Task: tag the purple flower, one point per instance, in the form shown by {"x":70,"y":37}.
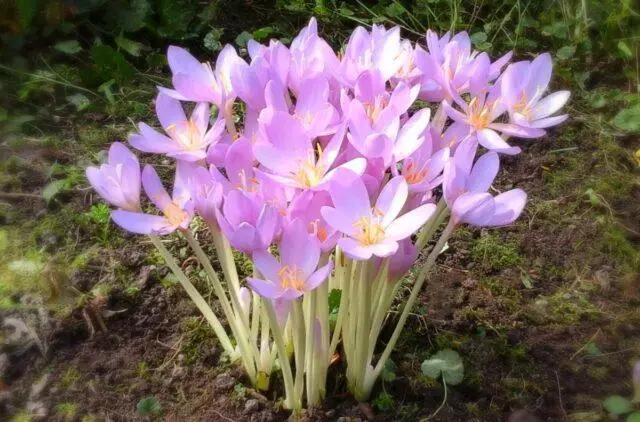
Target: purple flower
{"x":402,"y":260}
{"x":465,"y":186}
{"x":378,"y":50}
{"x":177,"y":210}
{"x":422,"y":170}
{"x":118,"y":181}
{"x":372,"y":230}
{"x":206,"y":189}
{"x":188,"y":138}
{"x":478,"y":117}
{"x":298,"y":164}
{"x":247,"y":221}
{"x":306,"y":207}
{"x":296,"y":273}
{"x":195,"y":81}
{"x":523,"y":85}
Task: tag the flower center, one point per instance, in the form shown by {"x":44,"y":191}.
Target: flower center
{"x":291,"y":278}
{"x":187,"y":135}
{"x":175,"y":214}
{"x":479,"y":115}
{"x":413,"y":175}
{"x":374,"y":110}
{"x":247,"y":184}
{"x":370,"y":231}
{"x":318,"y":231}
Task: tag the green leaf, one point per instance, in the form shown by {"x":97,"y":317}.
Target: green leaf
{"x":80,"y":101}
{"x":566,"y":52}
{"x":105,"y":88}
{"x":52,"y":189}
{"x":625,"y":50}
{"x":68,"y":47}
{"x":132,"y":47}
{"x":27,"y":10}
{"x":345,"y":11}
{"x":592,"y":349}
{"x":478,"y":38}
{"x":149,"y":405}
{"x":262,"y":33}
{"x":395,"y":10}
{"x":243,"y":39}
{"x":334,"y":300}
{"x":111,"y":63}
{"x":634,"y":417}
{"x":389,"y":371}
{"x":446,"y":363}
{"x":383,"y":402}
{"x":628,"y":119}
{"x":617,"y":405}
{"x":212,"y":39}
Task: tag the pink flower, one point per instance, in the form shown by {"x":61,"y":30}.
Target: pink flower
{"x":372,"y":230}
{"x":188,"y":138}
{"x":296,"y":273}
{"x":118,"y":181}
{"x":177,"y":210}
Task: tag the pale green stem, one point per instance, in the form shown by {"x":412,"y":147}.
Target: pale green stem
{"x":321,"y":362}
{"x":285,"y":365}
{"x":228,"y":264}
{"x":240,"y":332}
{"x":309,"y":317}
{"x":298,"y":338}
{"x":197,"y":298}
{"x":341,"y":269}
{"x":431,"y":259}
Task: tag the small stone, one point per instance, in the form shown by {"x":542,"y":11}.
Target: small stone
{"x":251,"y":406}
{"x":144,"y":276}
{"x":264,"y":416}
{"x":330,"y":413}
{"x":523,"y":416}
{"x":224,"y":382}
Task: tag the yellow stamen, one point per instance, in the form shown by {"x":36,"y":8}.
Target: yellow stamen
{"x":370,"y":230}
{"x":291,"y":278}
{"x":187,"y":135}
{"x":175,"y":214}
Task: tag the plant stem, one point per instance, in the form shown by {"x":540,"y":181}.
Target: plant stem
{"x":310,"y":318}
{"x":285,"y":365}
{"x":197,"y":298}
{"x":298,"y":338}
{"x":434,"y":223}
{"x":431,"y":259}
{"x":240,"y":331}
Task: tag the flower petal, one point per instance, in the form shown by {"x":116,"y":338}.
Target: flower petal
{"x":410,"y":222}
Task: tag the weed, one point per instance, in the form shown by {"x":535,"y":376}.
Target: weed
{"x":70,"y":377}
{"x":495,"y":254}
{"x":67,"y":410}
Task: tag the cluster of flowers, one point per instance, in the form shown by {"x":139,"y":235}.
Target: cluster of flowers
{"x":337,"y":161}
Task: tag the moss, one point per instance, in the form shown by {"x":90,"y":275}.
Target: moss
{"x":616,"y":244}
{"x":22,"y":416}
{"x":69,"y":378}
{"x":570,"y":307}
{"x":598,"y":373}
{"x":67,"y":410}
{"x":495,"y":254}
{"x":198,"y":338}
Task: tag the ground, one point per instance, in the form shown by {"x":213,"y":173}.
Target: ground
{"x":544,"y":313}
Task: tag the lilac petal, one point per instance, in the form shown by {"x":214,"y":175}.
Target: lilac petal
{"x":172,"y":93}
{"x":264,"y":288}
{"x":369,"y":85}
{"x":357,"y":166}
{"x":354,"y":249}
{"x":392,"y":199}
{"x":479,"y":77}
{"x":200,"y":116}
{"x":516,"y":130}
{"x":238,"y":207}
{"x":196,"y":89}
{"x":267,"y":224}
{"x":473,"y":208}
{"x":181,"y":61}
{"x":281,"y":128}
{"x":453,"y":113}
{"x":490,"y":139}
{"x":539,"y":75}
{"x":151,"y":141}
{"x":339,"y":221}
{"x":154,"y":189}
{"x":465,"y":153}
{"x":267,"y":265}
{"x":385,"y":248}
{"x":410,"y":222}
{"x":550,"y":104}
{"x":350,"y":195}
{"x":483,"y":173}
{"x":331,"y":151}
{"x":549,"y":121}
{"x":281,"y":307}
{"x":410,"y":136}
{"x":318,"y":277}
{"x":244,"y":238}
{"x":280,"y":161}
{"x":513,"y":80}
{"x":137,"y":222}
{"x":274,"y":96}
{"x":298,"y":248}
{"x":496,"y":67}
{"x":120,"y":154}
{"x":192,"y":156}
{"x":169,"y":111}
{"x":508,"y":206}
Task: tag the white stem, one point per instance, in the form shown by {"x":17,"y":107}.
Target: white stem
{"x":285,"y":365}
